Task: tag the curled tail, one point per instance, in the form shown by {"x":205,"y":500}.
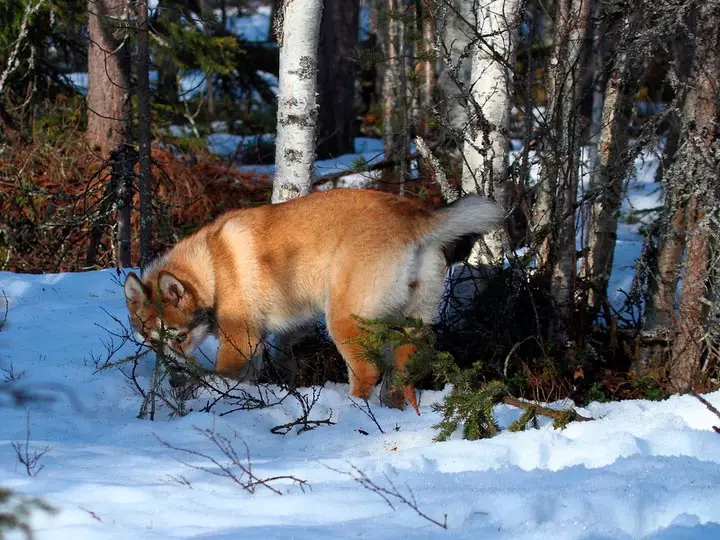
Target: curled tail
{"x":469,"y":215}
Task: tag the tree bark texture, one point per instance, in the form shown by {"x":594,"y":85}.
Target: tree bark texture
{"x":337,"y":72}
{"x":108,"y":97}
{"x":491,"y":97}
{"x":144,"y":125}
{"x":392,"y":88}
{"x":698,"y":162}
{"x":425,"y":70}
{"x":455,"y":36}
{"x":297,"y":102}
{"x":555,"y":209}
{"x":614,"y":160}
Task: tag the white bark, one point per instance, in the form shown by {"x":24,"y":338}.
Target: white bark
{"x":487,"y":144}
{"x":297,"y":99}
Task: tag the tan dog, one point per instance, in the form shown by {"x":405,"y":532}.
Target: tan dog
{"x":343,"y":253}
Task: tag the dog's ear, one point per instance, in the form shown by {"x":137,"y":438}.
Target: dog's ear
{"x":135,"y":289}
{"x":173,"y":290}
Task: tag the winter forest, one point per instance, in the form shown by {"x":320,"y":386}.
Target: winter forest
{"x":568,"y":385}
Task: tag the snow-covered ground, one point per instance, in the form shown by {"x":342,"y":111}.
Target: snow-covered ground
{"x":642,"y":470}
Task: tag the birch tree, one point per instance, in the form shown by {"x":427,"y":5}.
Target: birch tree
{"x":491,"y":82}
{"x":297,"y":101}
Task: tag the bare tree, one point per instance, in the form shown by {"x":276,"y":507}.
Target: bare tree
{"x":297,"y":102}
{"x":555,"y":208}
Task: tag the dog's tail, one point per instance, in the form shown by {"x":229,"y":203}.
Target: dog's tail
{"x":469,"y":215}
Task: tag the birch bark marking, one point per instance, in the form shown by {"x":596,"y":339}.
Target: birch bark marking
{"x":297,"y":99}
{"x":491,"y":82}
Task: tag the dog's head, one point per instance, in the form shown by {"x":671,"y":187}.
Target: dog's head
{"x":165,"y":310}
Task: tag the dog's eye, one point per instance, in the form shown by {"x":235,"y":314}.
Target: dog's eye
{"x":181,"y":336}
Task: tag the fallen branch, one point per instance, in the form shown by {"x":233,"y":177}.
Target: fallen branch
{"x":710,"y":407}
{"x":389,"y":494}
{"x":565,"y":414}
{"x":238,"y":469}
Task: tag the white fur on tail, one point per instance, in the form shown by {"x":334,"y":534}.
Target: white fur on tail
{"x":470,"y":214}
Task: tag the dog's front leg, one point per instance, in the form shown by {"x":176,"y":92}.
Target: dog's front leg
{"x":239,"y":342}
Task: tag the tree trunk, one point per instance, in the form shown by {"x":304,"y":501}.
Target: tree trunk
{"x":108,"y":97}
{"x":426,"y":69}
{"x":392,"y":89}
{"x":123,"y":160}
{"x":557,"y":191}
{"x":297,"y":103}
{"x":701,"y":115}
{"x":144,"y":125}
{"x":491,"y":82}
{"x":613,"y":162}
{"x":456,"y":66}
{"x":337,"y":74}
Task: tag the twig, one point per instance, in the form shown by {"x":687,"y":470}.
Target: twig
{"x":368,"y":412}
{"x":306,"y":425}
{"x":710,"y":407}
{"x":238,"y":469}
{"x":30,"y":459}
{"x":389,"y":494}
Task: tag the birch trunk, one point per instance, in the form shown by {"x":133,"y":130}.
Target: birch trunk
{"x":108,"y":96}
{"x":297,"y":99}
{"x":613,"y":162}
{"x":557,"y":191}
{"x":491,"y":82}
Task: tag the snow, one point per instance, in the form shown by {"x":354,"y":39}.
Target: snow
{"x":641,"y":470}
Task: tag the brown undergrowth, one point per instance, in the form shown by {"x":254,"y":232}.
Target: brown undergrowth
{"x":52,"y":192}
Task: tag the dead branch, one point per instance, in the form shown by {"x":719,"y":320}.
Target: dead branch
{"x":30,"y":459}
{"x":377,"y":166}
{"x":389,"y":494}
{"x":237,"y":469}
{"x":710,"y":407}
{"x":545,"y":411}
{"x":368,"y":412}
